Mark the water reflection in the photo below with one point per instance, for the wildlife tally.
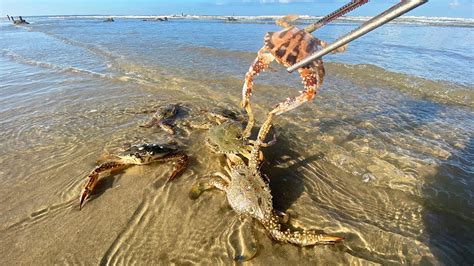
(449, 210)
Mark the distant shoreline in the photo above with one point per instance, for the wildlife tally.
(415, 20)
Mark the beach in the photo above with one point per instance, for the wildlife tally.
(383, 156)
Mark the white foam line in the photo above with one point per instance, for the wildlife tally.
(404, 19)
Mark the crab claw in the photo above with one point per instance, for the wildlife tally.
(86, 191)
(84, 195)
(182, 163)
(330, 240)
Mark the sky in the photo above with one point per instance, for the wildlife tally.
(434, 8)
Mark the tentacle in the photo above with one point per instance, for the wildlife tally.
(182, 161)
(263, 60)
(300, 238)
(93, 178)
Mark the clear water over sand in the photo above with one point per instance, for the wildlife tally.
(383, 156)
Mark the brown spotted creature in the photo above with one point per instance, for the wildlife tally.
(248, 193)
(287, 47)
(135, 155)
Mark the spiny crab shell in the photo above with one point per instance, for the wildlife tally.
(168, 111)
(146, 153)
(227, 138)
(248, 194)
(291, 45)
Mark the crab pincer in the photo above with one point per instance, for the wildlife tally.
(135, 155)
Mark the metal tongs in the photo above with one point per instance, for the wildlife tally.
(395, 11)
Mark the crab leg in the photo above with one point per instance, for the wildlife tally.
(166, 127)
(250, 122)
(260, 64)
(266, 144)
(93, 178)
(254, 160)
(216, 180)
(311, 82)
(219, 182)
(153, 122)
(300, 238)
(110, 166)
(161, 123)
(335, 51)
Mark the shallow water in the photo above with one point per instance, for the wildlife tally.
(383, 156)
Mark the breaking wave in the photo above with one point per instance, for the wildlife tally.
(434, 21)
(368, 75)
(70, 69)
(436, 90)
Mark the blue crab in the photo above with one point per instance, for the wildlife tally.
(287, 46)
(163, 117)
(135, 155)
(249, 194)
(226, 135)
